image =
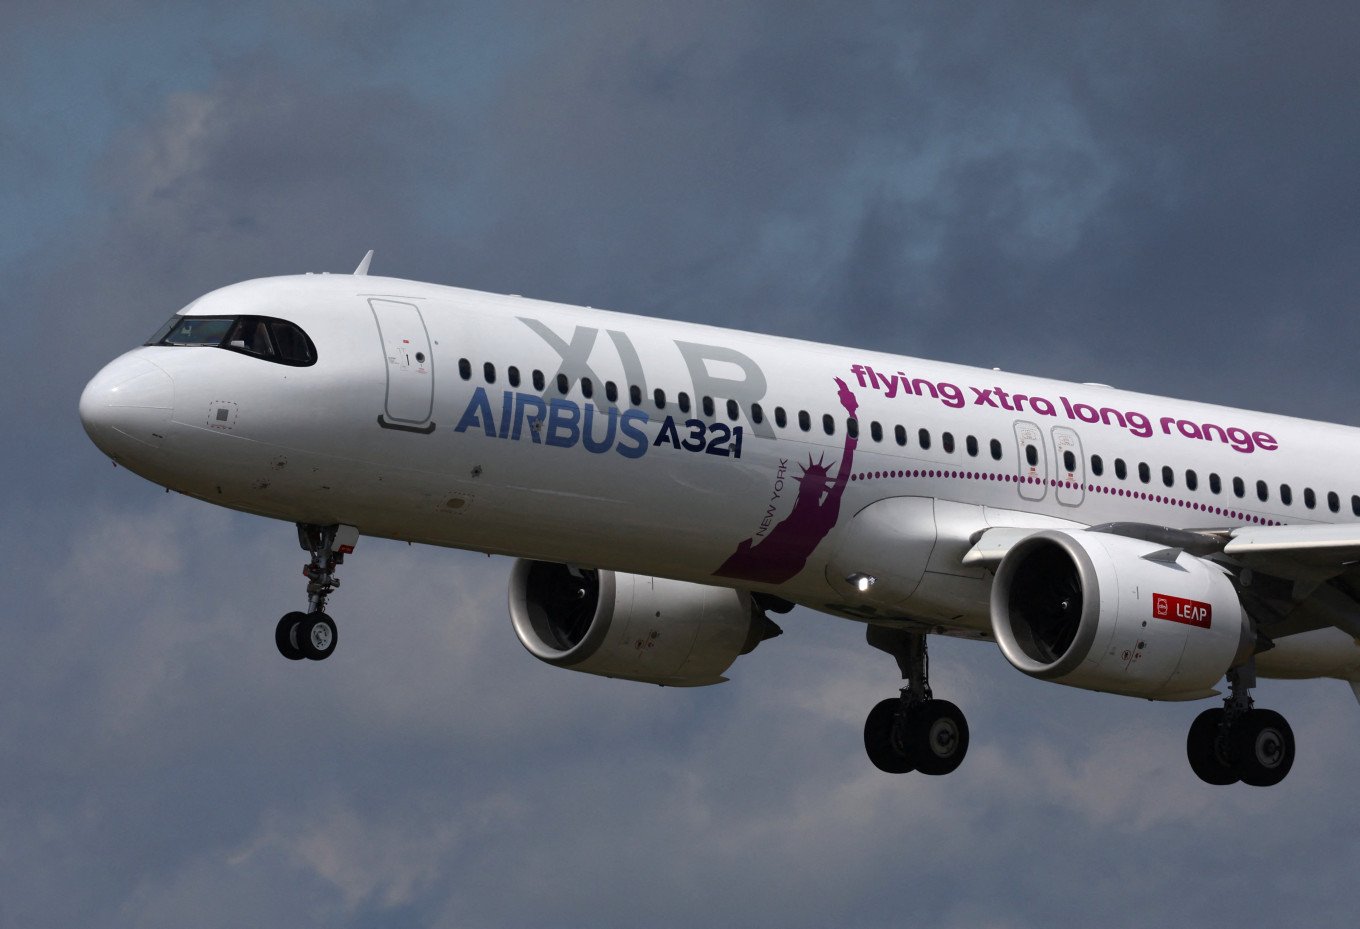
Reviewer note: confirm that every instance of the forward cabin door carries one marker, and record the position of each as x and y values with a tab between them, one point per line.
409	403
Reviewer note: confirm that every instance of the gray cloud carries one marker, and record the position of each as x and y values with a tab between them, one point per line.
1162	198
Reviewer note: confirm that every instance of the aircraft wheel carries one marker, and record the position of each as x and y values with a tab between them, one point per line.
882	739
316	636
1264	745
1202	749
936	737
285	635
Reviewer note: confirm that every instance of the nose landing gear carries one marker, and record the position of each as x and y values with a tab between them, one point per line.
312	634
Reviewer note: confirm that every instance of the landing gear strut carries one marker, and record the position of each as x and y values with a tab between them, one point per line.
312	634
913	731
1238	742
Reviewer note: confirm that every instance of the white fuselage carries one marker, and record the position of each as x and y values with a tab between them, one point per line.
436	415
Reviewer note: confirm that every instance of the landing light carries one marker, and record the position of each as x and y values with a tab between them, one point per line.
861	582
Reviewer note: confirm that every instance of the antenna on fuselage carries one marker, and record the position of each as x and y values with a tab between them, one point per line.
362	270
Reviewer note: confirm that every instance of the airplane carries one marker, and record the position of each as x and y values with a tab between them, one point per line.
665	487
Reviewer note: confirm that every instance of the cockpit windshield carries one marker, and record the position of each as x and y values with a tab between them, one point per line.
264	337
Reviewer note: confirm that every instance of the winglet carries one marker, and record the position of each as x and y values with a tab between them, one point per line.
362	270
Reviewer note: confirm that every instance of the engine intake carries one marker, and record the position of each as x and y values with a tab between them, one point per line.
628	626
1116	614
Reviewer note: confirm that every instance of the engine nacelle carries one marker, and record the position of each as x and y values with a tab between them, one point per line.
1110	613
639	628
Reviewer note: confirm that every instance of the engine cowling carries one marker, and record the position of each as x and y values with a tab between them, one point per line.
639	628
1115	614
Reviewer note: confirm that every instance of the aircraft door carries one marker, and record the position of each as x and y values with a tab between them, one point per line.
1070	466
409	402
1033	461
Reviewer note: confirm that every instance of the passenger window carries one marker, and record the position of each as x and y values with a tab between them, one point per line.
1121	470
876	431
682	399
1097	465
538	379
1262	491
1215	484
852	428
1031	455
996	449
1239	487
1310	499
465	369
1168	476
804	420
1069	461
611	391
587	388
489	373
828	424
1333	501
757	414
780	418
1355	505
971	445
708	407
900	434
1286	495
659	398
512	375
1191	480
947	442
1144	472
732	410
923	436
635	394
563	385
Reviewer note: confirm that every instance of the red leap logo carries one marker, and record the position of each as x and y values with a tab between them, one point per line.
1178	610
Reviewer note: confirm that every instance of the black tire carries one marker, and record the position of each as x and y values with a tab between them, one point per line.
1211	762
936	737
882	738
285	635
1264	745
316	636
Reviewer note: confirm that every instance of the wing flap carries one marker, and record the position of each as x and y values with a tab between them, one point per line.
1312	552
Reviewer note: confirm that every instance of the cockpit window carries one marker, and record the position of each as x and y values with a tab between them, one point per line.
264	337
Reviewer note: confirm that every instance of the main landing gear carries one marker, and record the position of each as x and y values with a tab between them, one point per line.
1238	742
312	634
913	731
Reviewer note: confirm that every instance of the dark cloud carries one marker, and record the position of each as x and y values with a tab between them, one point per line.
1161	198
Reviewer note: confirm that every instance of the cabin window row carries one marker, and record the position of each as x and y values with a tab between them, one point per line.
1261	489
924	438
683	400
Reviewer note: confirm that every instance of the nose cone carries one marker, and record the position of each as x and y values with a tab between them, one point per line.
126	407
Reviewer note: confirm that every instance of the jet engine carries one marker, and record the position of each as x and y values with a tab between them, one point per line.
1116	614
625	625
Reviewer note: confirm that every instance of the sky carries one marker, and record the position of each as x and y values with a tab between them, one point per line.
1160	196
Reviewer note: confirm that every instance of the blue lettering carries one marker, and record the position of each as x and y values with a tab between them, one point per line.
668	434
588	439
478	413
564	419
540	410
630	426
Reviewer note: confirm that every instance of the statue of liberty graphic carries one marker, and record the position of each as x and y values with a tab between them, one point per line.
784	551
